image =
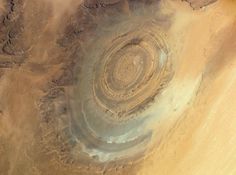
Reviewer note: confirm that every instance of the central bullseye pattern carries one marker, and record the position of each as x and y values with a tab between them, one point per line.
126	70
128	75
117	82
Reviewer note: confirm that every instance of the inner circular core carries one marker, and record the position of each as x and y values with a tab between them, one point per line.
126	68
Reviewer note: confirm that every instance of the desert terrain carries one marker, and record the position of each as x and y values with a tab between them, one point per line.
117	87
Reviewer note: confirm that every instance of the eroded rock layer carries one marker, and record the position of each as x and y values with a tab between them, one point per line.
115	87
96	70
197	4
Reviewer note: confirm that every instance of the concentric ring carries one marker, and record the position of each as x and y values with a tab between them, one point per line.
117	81
129	73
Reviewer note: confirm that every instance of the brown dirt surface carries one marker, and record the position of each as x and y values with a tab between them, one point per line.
118	87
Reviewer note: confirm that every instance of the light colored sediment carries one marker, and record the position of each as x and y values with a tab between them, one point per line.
65	105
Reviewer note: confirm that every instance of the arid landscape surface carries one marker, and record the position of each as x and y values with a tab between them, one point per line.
117	87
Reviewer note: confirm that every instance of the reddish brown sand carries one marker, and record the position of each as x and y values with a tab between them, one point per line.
120	87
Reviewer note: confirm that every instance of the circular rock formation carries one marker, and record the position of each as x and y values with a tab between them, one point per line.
128	74
115	87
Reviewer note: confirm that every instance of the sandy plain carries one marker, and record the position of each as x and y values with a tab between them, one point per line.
43	47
